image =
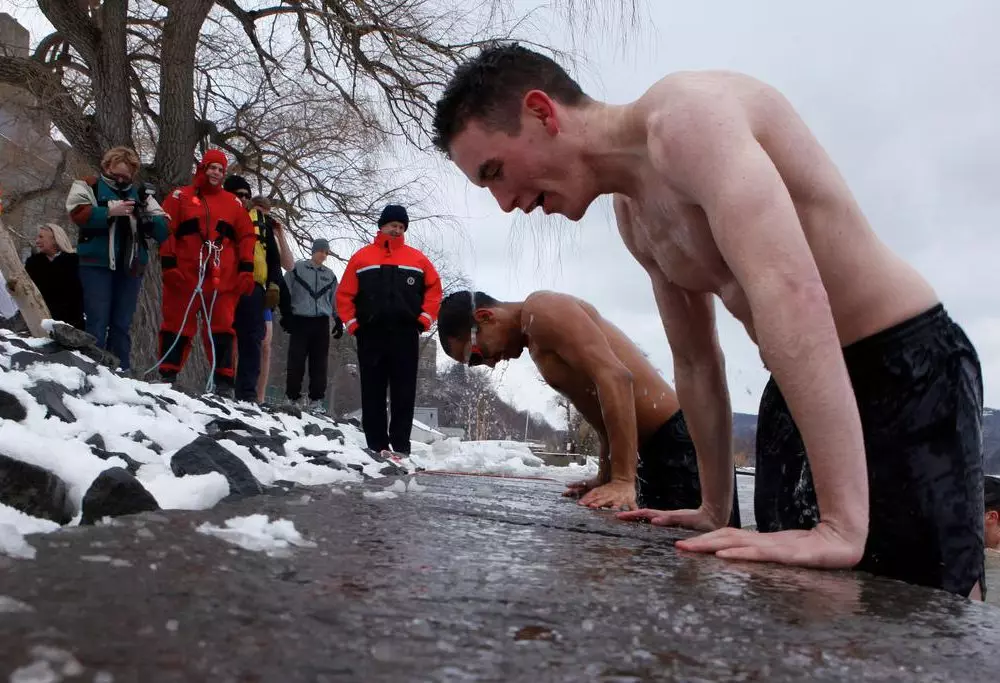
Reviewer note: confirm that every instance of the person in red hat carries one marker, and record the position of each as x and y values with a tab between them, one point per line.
207	266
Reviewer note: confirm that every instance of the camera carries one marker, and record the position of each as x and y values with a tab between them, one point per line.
145	191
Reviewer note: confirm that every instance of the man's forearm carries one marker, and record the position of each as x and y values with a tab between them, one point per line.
799	343
704	398
617	400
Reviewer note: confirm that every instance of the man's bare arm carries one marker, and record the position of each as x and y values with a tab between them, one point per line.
700	379
563	327
757	230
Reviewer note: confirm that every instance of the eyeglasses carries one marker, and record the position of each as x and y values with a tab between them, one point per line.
243	195
473	354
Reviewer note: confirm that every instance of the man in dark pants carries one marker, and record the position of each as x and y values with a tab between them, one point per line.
248	321
390	293
306	317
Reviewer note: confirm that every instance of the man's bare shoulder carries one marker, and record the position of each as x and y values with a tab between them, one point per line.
685	106
554	315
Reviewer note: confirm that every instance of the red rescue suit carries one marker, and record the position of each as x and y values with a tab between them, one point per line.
211	240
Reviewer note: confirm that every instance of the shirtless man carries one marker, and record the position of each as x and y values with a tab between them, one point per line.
591	362
720	190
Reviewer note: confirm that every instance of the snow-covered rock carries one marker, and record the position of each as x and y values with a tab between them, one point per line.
79	442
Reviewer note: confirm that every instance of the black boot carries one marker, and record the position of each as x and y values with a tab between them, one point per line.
224	387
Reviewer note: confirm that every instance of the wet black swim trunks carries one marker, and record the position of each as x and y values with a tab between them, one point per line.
667	472
920	395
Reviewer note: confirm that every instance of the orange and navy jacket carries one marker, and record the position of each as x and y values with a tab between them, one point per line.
388	284
196	218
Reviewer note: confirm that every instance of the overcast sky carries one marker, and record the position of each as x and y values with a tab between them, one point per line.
904	96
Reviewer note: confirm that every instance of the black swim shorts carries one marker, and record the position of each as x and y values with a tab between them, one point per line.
667	473
920	395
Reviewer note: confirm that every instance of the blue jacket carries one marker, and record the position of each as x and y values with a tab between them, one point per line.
104	241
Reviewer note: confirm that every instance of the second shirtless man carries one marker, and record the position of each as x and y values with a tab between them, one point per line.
645	446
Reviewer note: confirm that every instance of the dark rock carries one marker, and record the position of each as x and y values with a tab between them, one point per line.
224	424
310	453
68	358
212	402
256	452
204	455
164	401
102	357
391	469
11	408
139	437
130	463
312	429
34	491
360	470
43	349
114	493
49	394
274	443
24	359
96	440
70	337
324	460
290	409
353	421
334	435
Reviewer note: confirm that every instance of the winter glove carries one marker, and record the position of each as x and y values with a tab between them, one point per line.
272	296
338	327
245	283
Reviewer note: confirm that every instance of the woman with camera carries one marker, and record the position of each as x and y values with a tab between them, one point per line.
115	217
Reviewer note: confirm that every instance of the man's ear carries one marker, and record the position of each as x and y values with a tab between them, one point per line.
993	516
539	106
483	315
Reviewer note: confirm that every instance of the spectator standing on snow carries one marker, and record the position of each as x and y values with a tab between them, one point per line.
287	263
207	266
54	270
250	318
306	317
390	293
115	217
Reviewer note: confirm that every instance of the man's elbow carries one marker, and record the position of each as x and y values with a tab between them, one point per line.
618	377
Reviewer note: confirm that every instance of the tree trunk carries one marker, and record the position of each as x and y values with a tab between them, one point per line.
110	79
177	139
33	307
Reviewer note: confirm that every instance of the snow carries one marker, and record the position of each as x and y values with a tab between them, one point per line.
115	408
257	532
508	458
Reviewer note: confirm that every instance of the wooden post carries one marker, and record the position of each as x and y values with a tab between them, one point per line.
20	285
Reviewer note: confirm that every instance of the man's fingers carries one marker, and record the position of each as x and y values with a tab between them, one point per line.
639	515
720	539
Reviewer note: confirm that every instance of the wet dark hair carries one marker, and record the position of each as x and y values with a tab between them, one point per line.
455	318
489	88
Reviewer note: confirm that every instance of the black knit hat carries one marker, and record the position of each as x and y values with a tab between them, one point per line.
991	492
235	183
394	212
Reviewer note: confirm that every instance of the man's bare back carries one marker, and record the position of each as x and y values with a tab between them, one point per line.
665	228
721	190
553	325
585	358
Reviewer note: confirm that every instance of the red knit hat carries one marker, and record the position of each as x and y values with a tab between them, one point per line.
212	156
